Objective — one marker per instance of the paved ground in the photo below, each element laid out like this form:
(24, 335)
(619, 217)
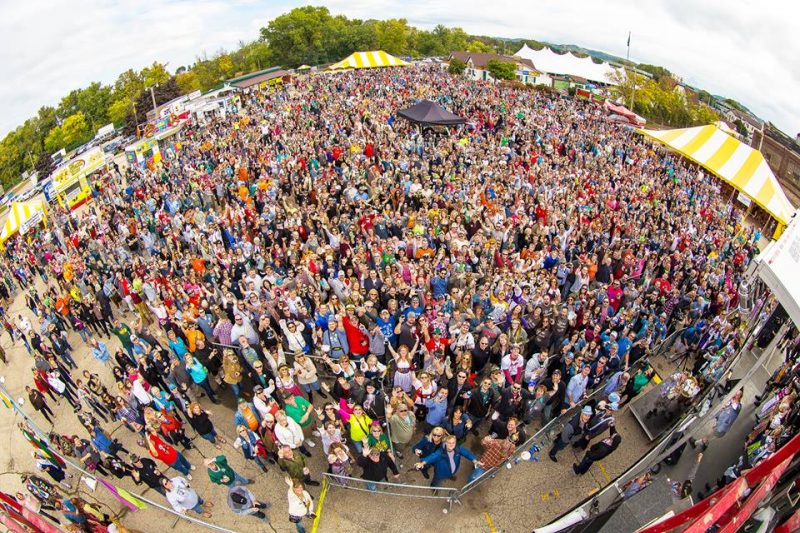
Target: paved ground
(529, 495)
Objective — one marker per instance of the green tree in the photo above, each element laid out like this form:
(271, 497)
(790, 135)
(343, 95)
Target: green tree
(456, 67)
(155, 74)
(657, 72)
(119, 110)
(501, 70)
(72, 132)
(392, 36)
(740, 127)
(128, 84)
(299, 36)
(479, 47)
(187, 81)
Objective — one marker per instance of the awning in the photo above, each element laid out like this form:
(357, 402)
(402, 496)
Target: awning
(731, 160)
(376, 58)
(22, 217)
(427, 112)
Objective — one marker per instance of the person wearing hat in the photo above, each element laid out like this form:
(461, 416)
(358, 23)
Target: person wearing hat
(599, 450)
(221, 473)
(243, 503)
(572, 432)
(602, 419)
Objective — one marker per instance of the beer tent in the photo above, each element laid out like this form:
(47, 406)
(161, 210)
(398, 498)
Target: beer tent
(22, 217)
(373, 59)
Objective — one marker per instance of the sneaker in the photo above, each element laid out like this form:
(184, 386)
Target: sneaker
(575, 468)
(189, 477)
(312, 483)
(309, 443)
(316, 433)
(193, 467)
(552, 458)
(425, 474)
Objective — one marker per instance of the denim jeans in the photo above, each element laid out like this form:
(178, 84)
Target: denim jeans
(206, 386)
(181, 464)
(199, 507)
(240, 479)
(210, 437)
(300, 527)
(236, 389)
(478, 472)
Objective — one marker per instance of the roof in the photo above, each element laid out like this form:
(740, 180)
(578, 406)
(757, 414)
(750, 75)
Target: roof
(480, 60)
(372, 59)
(736, 163)
(260, 78)
(584, 67)
(22, 216)
(251, 75)
(428, 112)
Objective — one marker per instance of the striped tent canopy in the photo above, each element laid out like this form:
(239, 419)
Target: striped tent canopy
(731, 160)
(376, 58)
(22, 216)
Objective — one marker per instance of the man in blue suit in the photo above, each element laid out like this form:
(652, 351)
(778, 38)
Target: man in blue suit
(446, 460)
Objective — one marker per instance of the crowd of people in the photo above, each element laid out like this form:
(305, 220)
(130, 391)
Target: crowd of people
(351, 285)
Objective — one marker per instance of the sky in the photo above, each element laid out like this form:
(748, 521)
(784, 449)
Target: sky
(743, 49)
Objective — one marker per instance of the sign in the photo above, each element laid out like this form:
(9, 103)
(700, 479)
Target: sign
(32, 222)
(79, 166)
(744, 200)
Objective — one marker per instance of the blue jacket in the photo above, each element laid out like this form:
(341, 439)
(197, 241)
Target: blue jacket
(441, 463)
(337, 341)
(425, 446)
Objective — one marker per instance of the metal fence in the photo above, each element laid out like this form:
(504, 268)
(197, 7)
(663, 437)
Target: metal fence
(85, 473)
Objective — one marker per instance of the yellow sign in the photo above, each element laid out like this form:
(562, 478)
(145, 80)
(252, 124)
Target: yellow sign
(79, 166)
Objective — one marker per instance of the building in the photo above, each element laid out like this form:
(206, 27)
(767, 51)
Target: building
(477, 70)
(783, 155)
(260, 78)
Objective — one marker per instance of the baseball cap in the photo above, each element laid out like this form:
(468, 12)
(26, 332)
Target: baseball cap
(587, 410)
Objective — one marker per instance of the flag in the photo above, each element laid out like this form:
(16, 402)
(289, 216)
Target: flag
(629, 39)
(5, 400)
(126, 498)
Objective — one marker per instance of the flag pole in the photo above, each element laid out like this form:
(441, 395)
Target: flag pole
(633, 91)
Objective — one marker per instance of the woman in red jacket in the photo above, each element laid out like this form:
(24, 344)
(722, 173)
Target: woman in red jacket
(167, 454)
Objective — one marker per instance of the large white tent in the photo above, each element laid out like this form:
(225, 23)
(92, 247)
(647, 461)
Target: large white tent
(552, 63)
(778, 266)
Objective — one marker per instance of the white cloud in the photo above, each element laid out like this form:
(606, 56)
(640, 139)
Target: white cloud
(738, 48)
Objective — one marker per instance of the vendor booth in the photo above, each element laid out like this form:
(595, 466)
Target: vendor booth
(23, 217)
(71, 182)
(158, 142)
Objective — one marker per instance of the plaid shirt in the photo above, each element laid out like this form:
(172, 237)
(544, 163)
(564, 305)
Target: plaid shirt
(495, 451)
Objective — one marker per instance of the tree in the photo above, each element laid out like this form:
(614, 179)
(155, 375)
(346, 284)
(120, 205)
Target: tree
(299, 36)
(392, 36)
(129, 84)
(187, 81)
(501, 70)
(119, 110)
(740, 127)
(479, 47)
(155, 74)
(73, 132)
(655, 71)
(456, 67)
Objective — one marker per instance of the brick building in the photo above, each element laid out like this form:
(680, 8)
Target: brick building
(783, 155)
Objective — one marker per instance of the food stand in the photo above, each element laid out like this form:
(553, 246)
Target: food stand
(71, 184)
(158, 142)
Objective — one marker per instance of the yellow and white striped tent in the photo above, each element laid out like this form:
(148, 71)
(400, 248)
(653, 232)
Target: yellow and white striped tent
(731, 160)
(376, 58)
(22, 217)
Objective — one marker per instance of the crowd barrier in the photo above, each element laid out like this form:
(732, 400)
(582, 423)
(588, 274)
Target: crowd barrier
(41, 434)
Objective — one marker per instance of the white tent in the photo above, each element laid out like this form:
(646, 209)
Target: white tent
(552, 63)
(778, 266)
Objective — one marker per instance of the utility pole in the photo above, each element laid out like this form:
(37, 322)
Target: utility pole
(153, 96)
(628, 58)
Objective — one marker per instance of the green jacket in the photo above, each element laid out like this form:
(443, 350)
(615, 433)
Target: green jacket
(223, 470)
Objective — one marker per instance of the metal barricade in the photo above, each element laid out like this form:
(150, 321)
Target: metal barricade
(448, 494)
